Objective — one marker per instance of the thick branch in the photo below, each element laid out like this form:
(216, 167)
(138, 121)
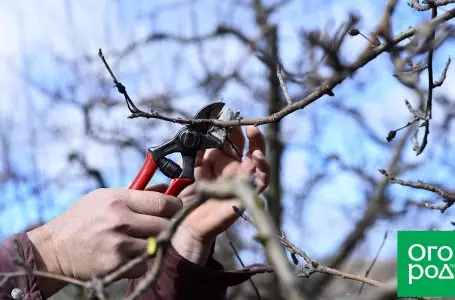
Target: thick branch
(376, 204)
(267, 232)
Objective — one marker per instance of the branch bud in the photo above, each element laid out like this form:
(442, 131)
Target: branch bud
(391, 135)
(354, 32)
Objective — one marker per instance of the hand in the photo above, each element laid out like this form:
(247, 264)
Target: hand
(102, 231)
(196, 234)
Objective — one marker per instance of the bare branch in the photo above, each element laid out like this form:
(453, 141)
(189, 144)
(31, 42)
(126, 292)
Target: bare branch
(311, 266)
(441, 80)
(431, 4)
(283, 85)
(374, 260)
(415, 112)
(237, 255)
(365, 57)
(5, 276)
(449, 197)
(267, 233)
(429, 107)
(427, 204)
(377, 205)
(221, 30)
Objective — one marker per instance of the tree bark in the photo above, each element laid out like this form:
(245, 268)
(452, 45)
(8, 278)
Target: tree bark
(273, 133)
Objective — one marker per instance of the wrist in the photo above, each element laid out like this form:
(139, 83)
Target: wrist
(45, 259)
(190, 246)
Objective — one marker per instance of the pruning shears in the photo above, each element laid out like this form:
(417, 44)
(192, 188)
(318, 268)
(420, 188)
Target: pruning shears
(188, 141)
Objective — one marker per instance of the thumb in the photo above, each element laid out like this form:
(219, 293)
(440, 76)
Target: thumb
(152, 203)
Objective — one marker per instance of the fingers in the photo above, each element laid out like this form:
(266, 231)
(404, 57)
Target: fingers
(257, 166)
(153, 203)
(238, 139)
(133, 247)
(160, 188)
(255, 139)
(143, 226)
(247, 167)
(259, 161)
(262, 170)
(256, 152)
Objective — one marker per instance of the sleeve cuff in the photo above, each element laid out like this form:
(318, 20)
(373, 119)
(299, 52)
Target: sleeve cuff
(19, 287)
(182, 279)
(213, 272)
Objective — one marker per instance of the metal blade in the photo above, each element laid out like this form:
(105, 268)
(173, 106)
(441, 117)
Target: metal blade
(210, 111)
(221, 133)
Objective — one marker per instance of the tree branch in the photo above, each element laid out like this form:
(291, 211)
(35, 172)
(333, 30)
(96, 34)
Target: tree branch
(431, 4)
(367, 272)
(449, 197)
(365, 57)
(267, 232)
(311, 266)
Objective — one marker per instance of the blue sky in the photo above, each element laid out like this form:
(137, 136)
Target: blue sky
(33, 35)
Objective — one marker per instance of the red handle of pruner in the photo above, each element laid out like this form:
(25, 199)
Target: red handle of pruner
(177, 185)
(145, 174)
(148, 170)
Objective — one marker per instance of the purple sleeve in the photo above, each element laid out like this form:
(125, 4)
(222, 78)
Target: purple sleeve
(179, 278)
(182, 279)
(19, 287)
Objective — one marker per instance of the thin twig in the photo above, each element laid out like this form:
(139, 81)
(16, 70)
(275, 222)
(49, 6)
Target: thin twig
(367, 38)
(237, 255)
(283, 84)
(110, 278)
(374, 260)
(311, 265)
(120, 87)
(443, 76)
(429, 205)
(151, 276)
(428, 112)
(434, 3)
(448, 197)
(8, 275)
(234, 146)
(429, 107)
